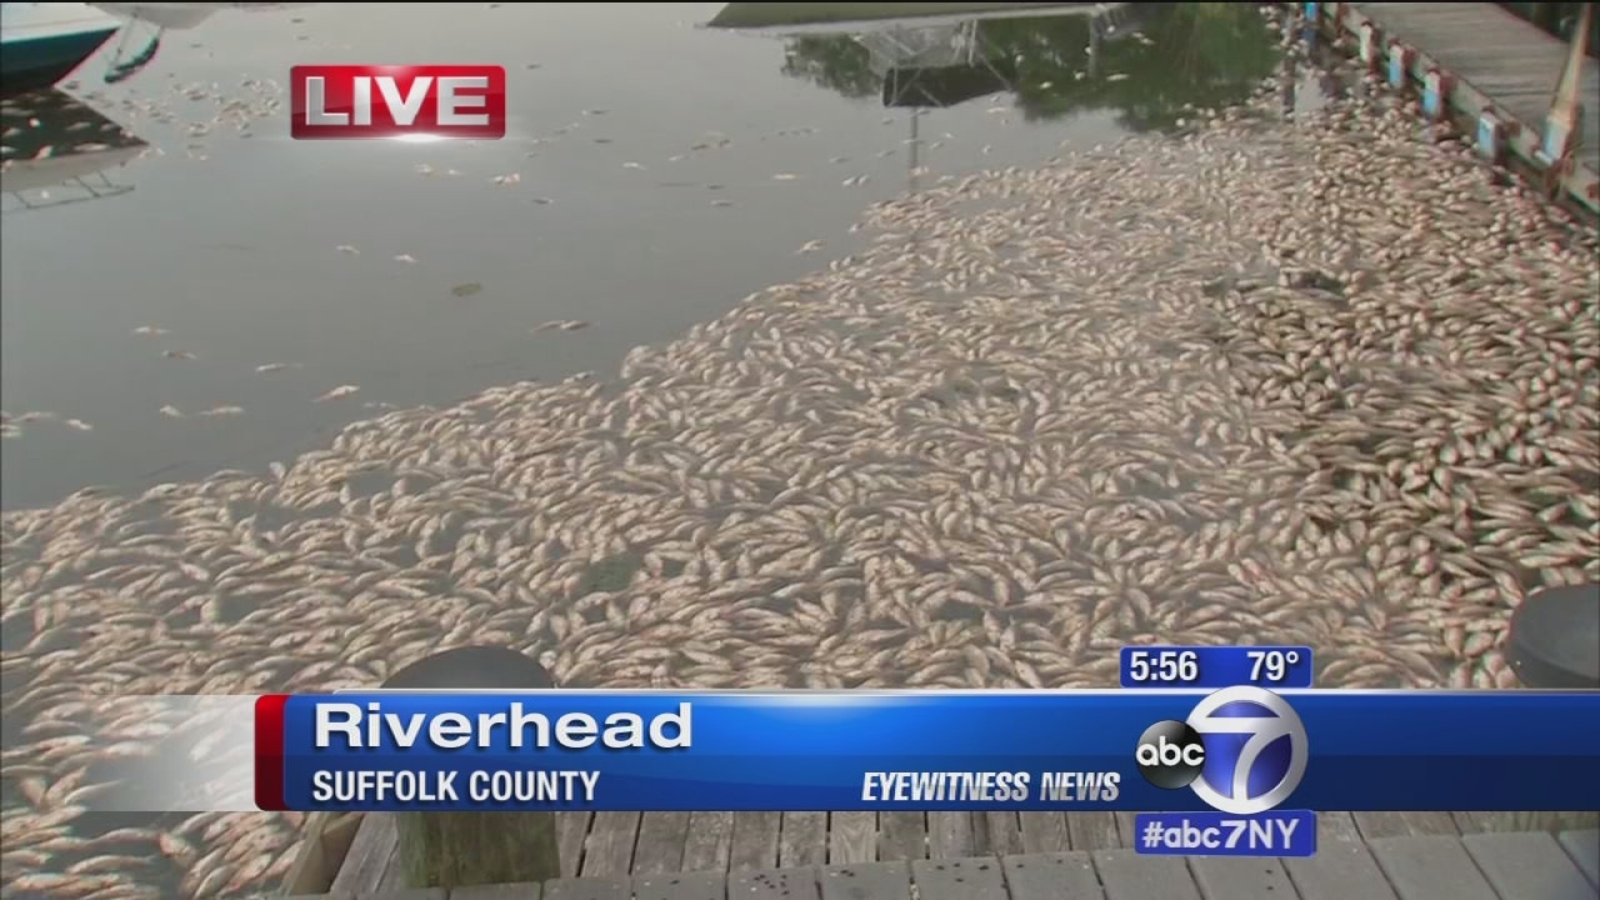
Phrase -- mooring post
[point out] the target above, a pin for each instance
(1561, 126)
(459, 849)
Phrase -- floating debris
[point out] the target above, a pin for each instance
(406, 258)
(507, 180)
(178, 354)
(77, 424)
(149, 331)
(466, 290)
(632, 165)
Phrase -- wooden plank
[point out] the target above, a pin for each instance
(327, 841)
(1341, 870)
(682, 886)
(1400, 824)
(371, 854)
(1430, 867)
(1526, 864)
(662, 838)
(1129, 876)
(528, 891)
(774, 884)
(804, 839)
(950, 835)
(902, 835)
(572, 828)
(608, 850)
(1053, 876)
(852, 837)
(1336, 826)
(1093, 831)
(867, 881)
(1003, 833)
(978, 878)
(1584, 849)
(755, 841)
(1045, 832)
(611, 887)
(1236, 878)
(710, 843)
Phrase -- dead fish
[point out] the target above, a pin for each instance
(275, 367)
(149, 331)
(810, 247)
(223, 411)
(343, 390)
(1117, 76)
(78, 424)
(785, 176)
(406, 258)
(346, 248)
(171, 412)
(632, 165)
(507, 180)
(178, 354)
(561, 325)
(466, 290)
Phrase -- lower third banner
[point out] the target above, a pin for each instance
(1242, 751)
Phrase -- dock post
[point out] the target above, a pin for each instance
(1561, 126)
(1400, 57)
(460, 849)
(1371, 47)
(1436, 86)
(1493, 132)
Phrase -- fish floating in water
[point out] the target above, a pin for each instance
(339, 393)
(149, 331)
(266, 368)
(178, 354)
(561, 325)
(406, 258)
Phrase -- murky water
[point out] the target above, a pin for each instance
(646, 149)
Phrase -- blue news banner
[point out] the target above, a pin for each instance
(1235, 753)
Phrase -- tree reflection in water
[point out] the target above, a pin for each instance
(1177, 56)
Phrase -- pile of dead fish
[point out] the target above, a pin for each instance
(1319, 382)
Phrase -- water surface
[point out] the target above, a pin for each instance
(645, 149)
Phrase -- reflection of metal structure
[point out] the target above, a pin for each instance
(932, 67)
(58, 151)
(937, 66)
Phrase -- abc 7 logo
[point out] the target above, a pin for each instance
(1256, 758)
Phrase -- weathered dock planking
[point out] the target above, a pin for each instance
(1495, 62)
(1006, 856)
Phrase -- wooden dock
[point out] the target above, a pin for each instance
(1497, 63)
(1006, 856)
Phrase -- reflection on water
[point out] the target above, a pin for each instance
(653, 173)
(53, 141)
(1153, 64)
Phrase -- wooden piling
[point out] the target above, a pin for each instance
(1562, 125)
(461, 849)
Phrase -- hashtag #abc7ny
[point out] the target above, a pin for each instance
(1243, 751)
